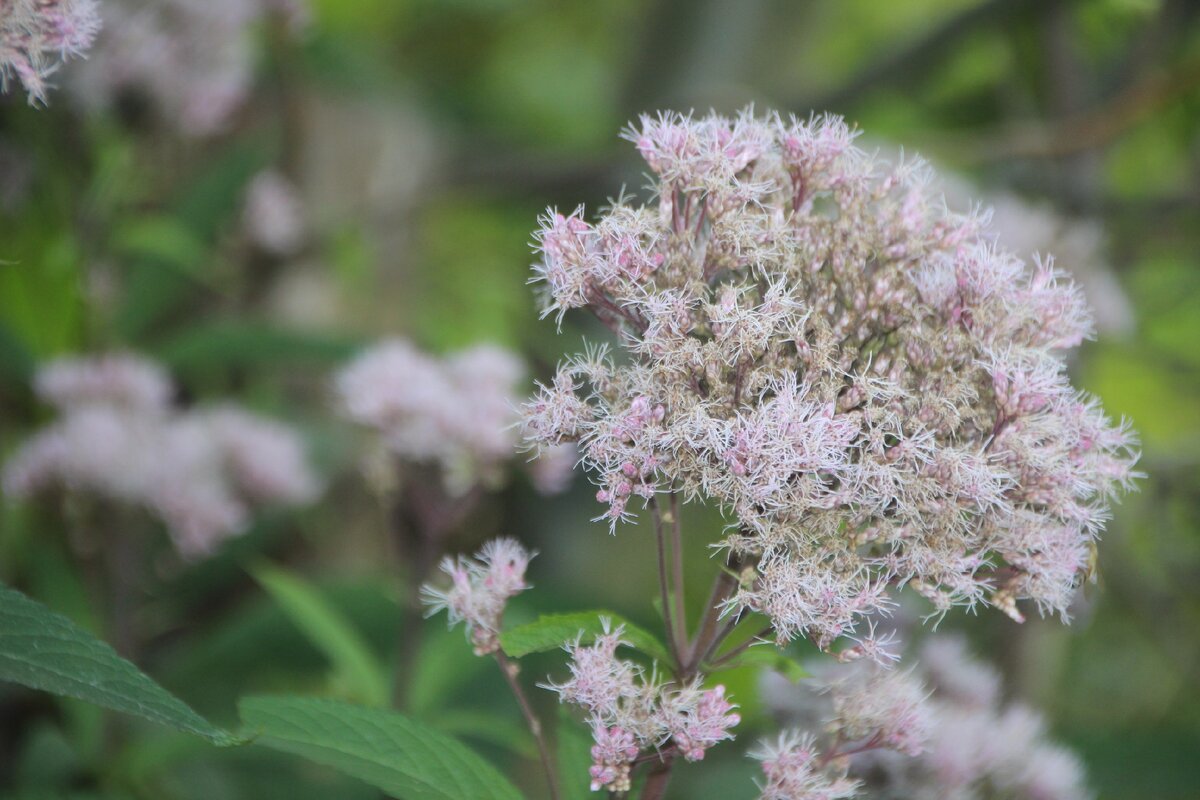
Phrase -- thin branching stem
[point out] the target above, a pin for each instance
(509, 669)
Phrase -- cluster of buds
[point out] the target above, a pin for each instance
(868, 385)
(456, 413)
(480, 588)
(632, 711)
(118, 439)
(36, 36)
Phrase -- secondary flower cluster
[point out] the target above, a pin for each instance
(872, 709)
(202, 472)
(869, 386)
(480, 589)
(973, 746)
(457, 413)
(36, 36)
(631, 711)
(192, 61)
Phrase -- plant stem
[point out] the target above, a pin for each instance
(509, 669)
(674, 643)
(706, 636)
(681, 633)
(657, 780)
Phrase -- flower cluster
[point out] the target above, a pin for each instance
(795, 769)
(36, 36)
(456, 413)
(870, 709)
(202, 472)
(973, 746)
(480, 589)
(192, 61)
(273, 215)
(870, 387)
(632, 711)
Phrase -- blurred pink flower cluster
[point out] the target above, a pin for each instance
(192, 60)
(118, 439)
(458, 412)
(941, 732)
(632, 711)
(36, 36)
(872, 389)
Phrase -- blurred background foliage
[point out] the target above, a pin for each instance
(425, 136)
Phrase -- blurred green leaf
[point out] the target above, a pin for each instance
(771, 657)
(442, 671)
(573, 748)
(356, 670)
(44, 650)
(401, 756)
(222, 345)
(551, 631)
(507, 731)
(161, 239)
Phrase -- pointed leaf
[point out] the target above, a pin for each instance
(399, 755)
(354, 665)
(44, 650)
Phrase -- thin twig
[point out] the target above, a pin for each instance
(509, 669)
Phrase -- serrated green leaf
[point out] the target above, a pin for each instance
(399, 755)
(354, 665)
(44, 650)
(550, 631)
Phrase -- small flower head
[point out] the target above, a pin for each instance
(37, 36)
(479, 590)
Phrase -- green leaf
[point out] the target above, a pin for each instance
(354, 666)
(550, 631)
(573, 748)
(44, 650)
(400, 756)
(507, 731)
(225, 344)
(161, 240)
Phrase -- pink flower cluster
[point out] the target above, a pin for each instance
(36, 36)
(273, 215)
(971, 745)
(193, 61)
(479, 590)
(457, 412)
(202, 472)
(631, 711)
(871, 388)
(795, 769)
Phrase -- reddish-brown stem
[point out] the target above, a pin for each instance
(659, 777)
(723, 584)
(509, 669)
